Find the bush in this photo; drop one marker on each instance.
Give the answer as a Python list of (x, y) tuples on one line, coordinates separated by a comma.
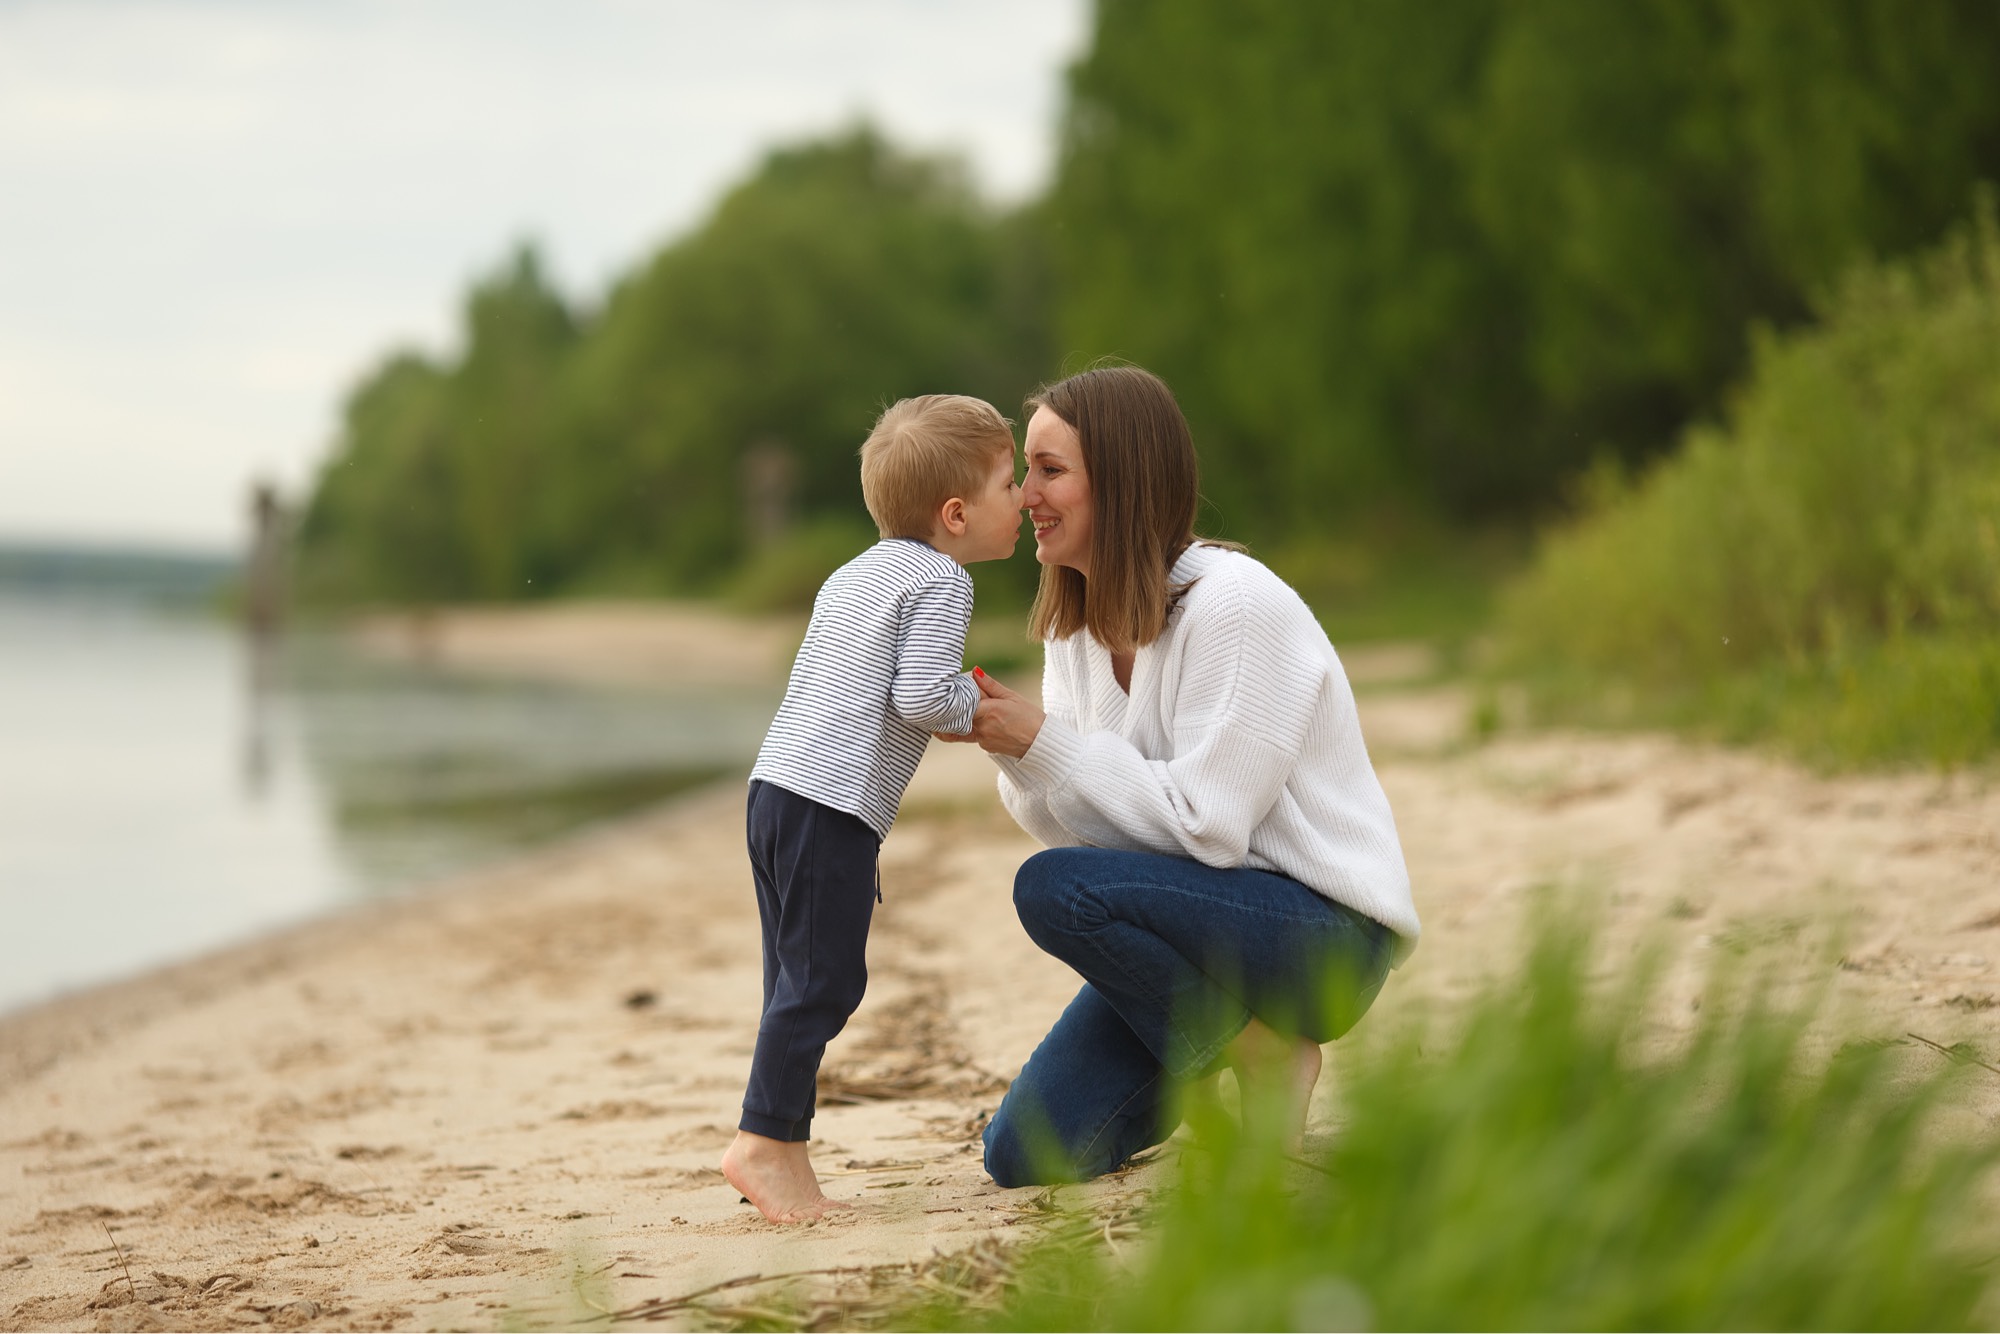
[(1538, 1171), (1825, 569), (1396, 578), (786, 575)]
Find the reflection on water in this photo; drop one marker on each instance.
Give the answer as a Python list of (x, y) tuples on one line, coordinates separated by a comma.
[(165, 789), (427, 773)]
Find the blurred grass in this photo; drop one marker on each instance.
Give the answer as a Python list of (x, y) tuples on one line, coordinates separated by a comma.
[(1402, 579), (1823, 571), (1933, 699), (1542, 1169)]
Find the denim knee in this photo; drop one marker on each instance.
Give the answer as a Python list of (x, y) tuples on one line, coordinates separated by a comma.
[(1007, 1159), (1044, 891)]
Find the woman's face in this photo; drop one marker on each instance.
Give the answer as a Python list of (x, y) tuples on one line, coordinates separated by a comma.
[(1056, 492)]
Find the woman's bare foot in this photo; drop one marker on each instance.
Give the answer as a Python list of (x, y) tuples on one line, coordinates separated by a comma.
[(777, 1177), (1202, 1107), (1274, 1078)]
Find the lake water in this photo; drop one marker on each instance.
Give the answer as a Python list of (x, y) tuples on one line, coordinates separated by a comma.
[(163, 791)]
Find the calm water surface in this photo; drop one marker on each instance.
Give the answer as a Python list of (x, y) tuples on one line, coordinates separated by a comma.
[(163, 791)]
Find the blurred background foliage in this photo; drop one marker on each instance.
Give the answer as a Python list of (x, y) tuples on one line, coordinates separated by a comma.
[(614, 450), (1449, 253), (1824, 566), (1414, 272)]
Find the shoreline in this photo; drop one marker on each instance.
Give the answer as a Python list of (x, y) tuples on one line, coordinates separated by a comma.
[(436, 1111), (529, 1063), (610, 642), (104, 1008)]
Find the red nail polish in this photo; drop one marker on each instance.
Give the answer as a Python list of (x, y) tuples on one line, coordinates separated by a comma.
[(979, 671)]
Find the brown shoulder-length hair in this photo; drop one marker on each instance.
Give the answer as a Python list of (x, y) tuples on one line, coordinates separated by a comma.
[(1144, 489)]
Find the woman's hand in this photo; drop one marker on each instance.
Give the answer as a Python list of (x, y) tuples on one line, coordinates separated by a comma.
[(1005, 723)]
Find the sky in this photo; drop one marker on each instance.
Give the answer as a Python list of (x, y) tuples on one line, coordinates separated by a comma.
[(216, 215)]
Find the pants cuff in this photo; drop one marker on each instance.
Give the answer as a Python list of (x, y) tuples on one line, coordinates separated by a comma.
[(771, 1127)]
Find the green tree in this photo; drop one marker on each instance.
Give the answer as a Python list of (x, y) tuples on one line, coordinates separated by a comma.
[(371, 529), (438, 486), (842, 276), (560, 452), (1257, 203), (1447, 253)]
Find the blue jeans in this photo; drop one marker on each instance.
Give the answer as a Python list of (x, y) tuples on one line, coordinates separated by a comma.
[(1176, 957)]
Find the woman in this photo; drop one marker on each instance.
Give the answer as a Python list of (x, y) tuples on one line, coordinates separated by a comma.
[(1221, 865)]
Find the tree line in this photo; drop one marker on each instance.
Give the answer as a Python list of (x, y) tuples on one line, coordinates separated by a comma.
[(1432, 258)]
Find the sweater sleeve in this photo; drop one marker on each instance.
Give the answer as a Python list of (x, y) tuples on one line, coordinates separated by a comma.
[(1026, 799), (930, 690), (1247, 689)]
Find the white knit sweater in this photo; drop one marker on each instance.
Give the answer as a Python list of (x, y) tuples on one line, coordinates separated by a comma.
[(1237, 746)]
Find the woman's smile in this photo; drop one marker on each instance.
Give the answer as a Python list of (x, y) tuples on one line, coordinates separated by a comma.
[(1056, 492)]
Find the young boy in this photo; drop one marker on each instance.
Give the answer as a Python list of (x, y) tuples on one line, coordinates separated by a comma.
[(877, 675)]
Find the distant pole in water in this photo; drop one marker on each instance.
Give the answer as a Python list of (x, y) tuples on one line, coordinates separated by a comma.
[(768, 476), (264, 597), (264, 581)]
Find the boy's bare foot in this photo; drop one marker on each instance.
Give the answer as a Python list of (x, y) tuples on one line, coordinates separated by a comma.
[(777, 1177), (1275, 1077)]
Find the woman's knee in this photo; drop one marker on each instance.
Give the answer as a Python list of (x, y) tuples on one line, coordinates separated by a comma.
[(1046, 889), (1010, 1159)]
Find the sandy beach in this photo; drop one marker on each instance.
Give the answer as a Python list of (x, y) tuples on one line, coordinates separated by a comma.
[(501, 1101)]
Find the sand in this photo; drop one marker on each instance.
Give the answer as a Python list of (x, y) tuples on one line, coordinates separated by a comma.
[(501, 1101)]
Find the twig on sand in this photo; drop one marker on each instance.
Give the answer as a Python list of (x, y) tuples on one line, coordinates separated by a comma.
[(654, 1310), (121, 1258), (1960, 1053), (882, 1296)]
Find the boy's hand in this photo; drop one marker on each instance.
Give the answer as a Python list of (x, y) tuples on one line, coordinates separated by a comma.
[(1005, 723), (959, 736)]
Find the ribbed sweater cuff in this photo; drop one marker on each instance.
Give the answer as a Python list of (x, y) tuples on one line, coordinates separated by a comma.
[(1053, 756)]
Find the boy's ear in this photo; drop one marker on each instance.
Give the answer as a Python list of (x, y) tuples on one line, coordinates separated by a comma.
[(951, 517)]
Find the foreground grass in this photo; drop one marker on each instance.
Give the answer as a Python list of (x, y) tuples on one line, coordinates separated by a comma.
[(1538, 1171)]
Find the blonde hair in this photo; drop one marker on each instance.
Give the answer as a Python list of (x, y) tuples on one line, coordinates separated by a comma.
[(1144, 489), (924, 451)]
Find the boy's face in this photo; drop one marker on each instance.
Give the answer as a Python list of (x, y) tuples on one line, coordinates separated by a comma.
[(993, 517)]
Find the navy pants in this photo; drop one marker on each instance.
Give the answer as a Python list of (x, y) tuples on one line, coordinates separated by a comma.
[(1176, 957), (815, 869)]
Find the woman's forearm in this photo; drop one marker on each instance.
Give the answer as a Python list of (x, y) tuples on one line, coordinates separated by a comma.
[(1203, 804), (1029, 806)]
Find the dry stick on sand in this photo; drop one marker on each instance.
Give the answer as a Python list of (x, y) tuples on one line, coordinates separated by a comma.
[(655, 1310), (974, 1278), (121, 1258), (1953, 1053), (977, 1276)]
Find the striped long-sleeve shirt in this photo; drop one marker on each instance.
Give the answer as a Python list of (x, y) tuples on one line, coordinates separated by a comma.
[(879, 671)]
